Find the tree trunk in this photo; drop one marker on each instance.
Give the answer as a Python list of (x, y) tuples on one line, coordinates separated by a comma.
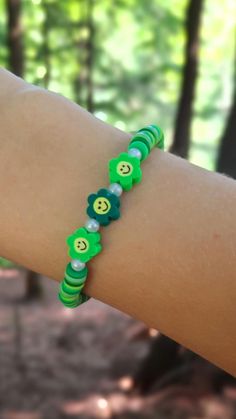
[(163, 354), (162, 357), (227, 152), (33, 286), (90, 57), (46, 47), (181, 139), (14, 37), (83, 84)]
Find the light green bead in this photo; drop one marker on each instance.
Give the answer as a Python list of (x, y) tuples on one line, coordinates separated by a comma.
[(71, 289), (125, 170)]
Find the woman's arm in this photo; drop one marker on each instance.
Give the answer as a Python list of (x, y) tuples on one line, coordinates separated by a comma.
[(171, 258)]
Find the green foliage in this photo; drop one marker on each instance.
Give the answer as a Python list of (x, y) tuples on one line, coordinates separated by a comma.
[(134, 54)]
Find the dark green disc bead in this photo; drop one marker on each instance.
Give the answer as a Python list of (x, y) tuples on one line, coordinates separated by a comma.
[(73, 304), (158, 134), (65, 294), (68, 300), (151, 133), (141, 147), (74, 281), (144, 138), (71, 289), (76, 274), (150, 136)]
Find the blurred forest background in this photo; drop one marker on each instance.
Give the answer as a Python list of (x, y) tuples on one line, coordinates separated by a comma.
[(130, 63)]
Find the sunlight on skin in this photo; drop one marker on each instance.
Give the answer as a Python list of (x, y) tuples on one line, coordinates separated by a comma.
[(125, 383), (153, 332), (95, 406), (102, 403)]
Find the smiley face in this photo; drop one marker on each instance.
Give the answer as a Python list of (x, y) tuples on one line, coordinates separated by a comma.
[(101, 205), (124, 168), (81, 245)]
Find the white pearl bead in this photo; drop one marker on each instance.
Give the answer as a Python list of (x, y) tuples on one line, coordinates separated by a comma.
[(135, 152), (115, 188), (92, 225), (77, 265)]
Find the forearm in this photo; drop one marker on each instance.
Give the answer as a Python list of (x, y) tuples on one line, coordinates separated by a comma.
[(170, 259)]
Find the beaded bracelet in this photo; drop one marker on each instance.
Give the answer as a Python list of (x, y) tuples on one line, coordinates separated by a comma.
[(104, 207)]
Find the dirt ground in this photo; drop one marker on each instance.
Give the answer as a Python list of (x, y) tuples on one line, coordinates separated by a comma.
[(57, 363)]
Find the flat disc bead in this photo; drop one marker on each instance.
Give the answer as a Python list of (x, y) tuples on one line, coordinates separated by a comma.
[(75, 281), (70, 298), (151, 135), (75, 278), (141, 147), (67, 304), (159, 135), (145, 137), (71, 289), (76, 274)]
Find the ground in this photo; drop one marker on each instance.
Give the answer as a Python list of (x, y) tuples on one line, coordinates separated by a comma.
[(57, 363)]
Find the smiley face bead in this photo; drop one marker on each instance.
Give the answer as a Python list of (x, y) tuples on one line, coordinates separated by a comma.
[(103, 206), (84, 245), (125, 170)]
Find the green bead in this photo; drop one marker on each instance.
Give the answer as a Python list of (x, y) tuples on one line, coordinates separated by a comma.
[(75, 281), (141, 147), (75, 277), (83, 244), (75, 304), (144, 137), (76, 274), (68, 299), (71, 289), (158, 134), (103, 206), (65, 294), (125, 170), (151, 134)]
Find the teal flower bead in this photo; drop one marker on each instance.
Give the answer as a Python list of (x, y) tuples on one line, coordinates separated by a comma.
[(103, 206), (84, 245), (125, 170)]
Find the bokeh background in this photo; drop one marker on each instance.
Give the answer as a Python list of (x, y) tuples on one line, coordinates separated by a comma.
[(129, 62)]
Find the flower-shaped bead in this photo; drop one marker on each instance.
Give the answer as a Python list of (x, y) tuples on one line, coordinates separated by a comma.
[(83, 245), (125, 169), (103, 206)]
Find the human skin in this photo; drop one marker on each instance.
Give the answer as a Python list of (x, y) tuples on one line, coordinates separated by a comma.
[(170, 260)]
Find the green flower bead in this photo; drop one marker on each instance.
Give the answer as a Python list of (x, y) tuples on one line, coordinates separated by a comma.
[(103, 206), (84, 245), (125, 169)]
